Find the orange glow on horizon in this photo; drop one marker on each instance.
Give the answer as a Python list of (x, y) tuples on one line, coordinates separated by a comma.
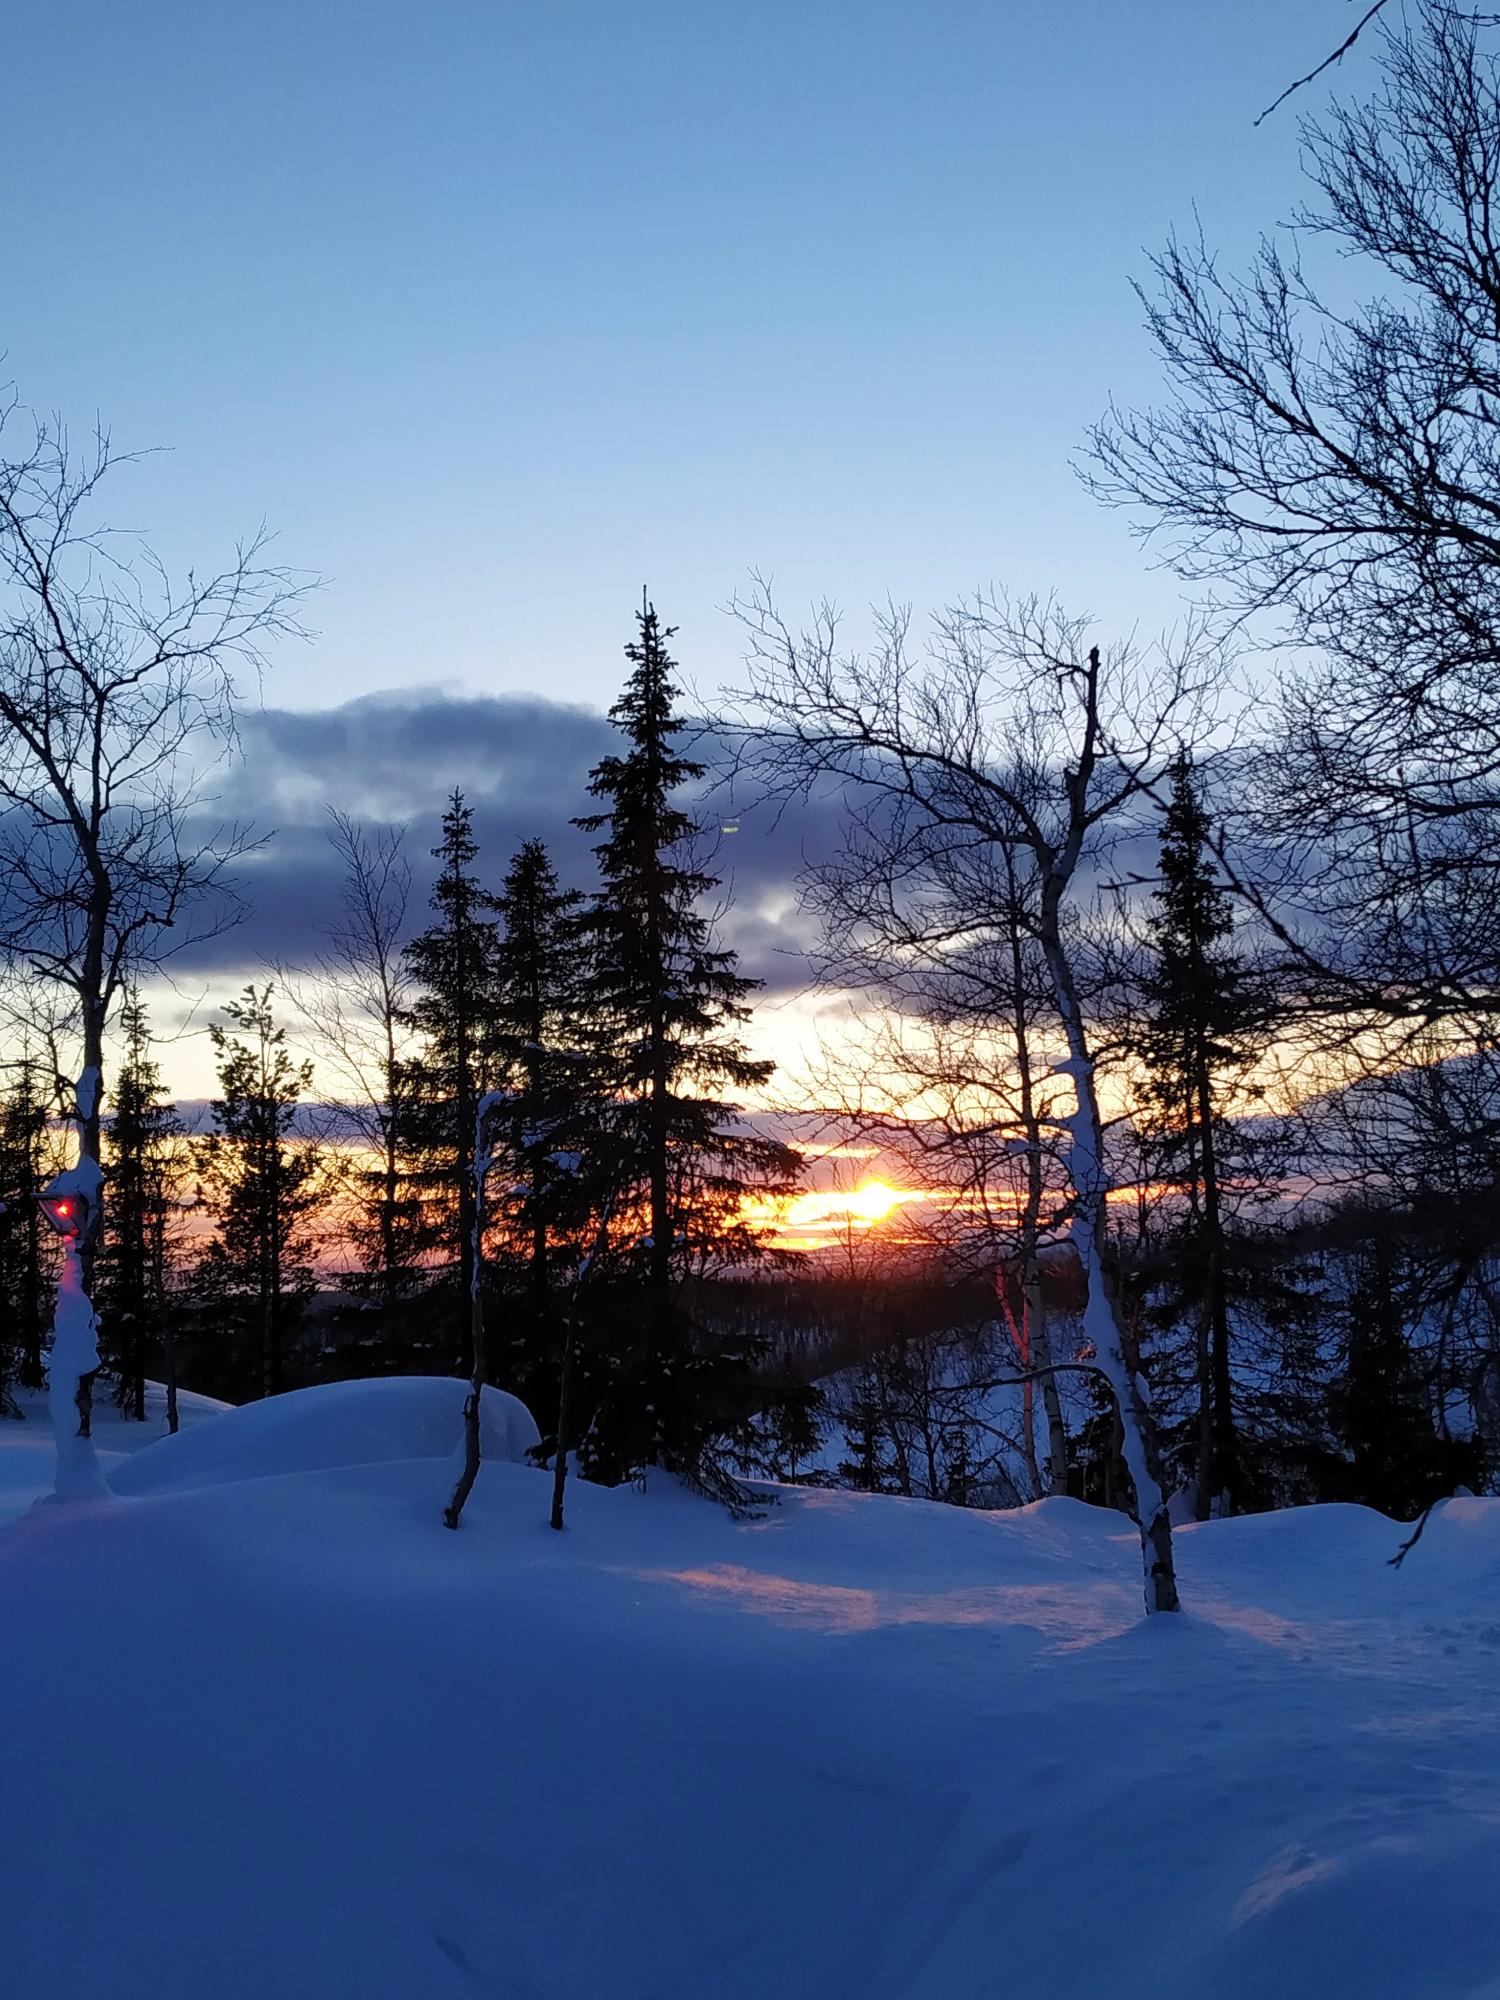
[(823, 1218), (822, 1215), (874, 1201)]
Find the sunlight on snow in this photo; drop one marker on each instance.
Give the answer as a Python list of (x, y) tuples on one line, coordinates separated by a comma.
[(1066, 1615)]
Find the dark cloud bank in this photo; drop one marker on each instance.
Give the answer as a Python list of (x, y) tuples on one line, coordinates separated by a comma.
[(522, 762)]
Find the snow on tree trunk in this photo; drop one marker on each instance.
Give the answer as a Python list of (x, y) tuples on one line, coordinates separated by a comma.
[(75, 1346), (75, 1356), (89, 1181), (1101, 1328)]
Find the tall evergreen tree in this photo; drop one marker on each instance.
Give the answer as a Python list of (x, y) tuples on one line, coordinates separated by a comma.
[(552, 1114), (671, 1002), (143, 1160), (1382, 1408), (262, 1182), (1201, 1010), (454, 966), (25, 1248)]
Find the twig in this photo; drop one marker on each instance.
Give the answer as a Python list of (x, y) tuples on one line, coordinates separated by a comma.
[(1327, 63), (1395, 1561)]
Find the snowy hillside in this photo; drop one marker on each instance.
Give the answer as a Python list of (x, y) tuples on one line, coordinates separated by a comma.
[(283, 1734)]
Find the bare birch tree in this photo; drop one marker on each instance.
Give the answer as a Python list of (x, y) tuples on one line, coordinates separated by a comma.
[(355, 1001), (116, 690), (948, 1072), (1326, 456), (1011, 737)]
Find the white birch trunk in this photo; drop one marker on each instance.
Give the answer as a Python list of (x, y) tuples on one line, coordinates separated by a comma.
[(75, 1349), (1091, 1186)]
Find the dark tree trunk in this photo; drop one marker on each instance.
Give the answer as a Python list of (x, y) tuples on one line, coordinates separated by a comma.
[(90, 1122), (564, 1427), (473, 1403), (32, 1373), (463, 1111), (1223, 1457)]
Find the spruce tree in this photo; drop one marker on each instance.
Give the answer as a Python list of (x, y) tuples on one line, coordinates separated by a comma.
[(867, 1467), (1201, 1011), (26, 1245), (262, 1184), (142, 1160), (552, 1113), (1382, 1409), (454, 965), (671, 1003), (958, 1470)]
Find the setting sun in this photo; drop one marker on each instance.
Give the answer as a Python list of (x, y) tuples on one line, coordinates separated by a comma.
[(819, 1216), (873, 1202)]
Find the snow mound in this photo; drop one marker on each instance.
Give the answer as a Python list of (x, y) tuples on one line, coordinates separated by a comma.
[(370, 1422)]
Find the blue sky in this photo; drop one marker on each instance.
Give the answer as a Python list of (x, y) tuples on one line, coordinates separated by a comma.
[(496, 311)]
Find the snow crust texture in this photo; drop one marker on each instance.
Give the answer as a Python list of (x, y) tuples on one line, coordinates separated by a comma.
[(859, 1749)]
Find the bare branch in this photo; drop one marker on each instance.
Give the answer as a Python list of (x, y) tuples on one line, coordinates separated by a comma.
[(1328, 61)]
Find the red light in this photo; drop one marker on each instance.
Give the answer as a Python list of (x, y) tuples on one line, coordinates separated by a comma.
[(66, 1215)]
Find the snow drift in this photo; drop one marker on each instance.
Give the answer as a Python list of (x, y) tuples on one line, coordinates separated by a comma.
[(367, 1422)]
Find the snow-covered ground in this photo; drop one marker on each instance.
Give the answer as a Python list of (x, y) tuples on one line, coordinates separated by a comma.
[(26, 1452), (284, 1735)]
